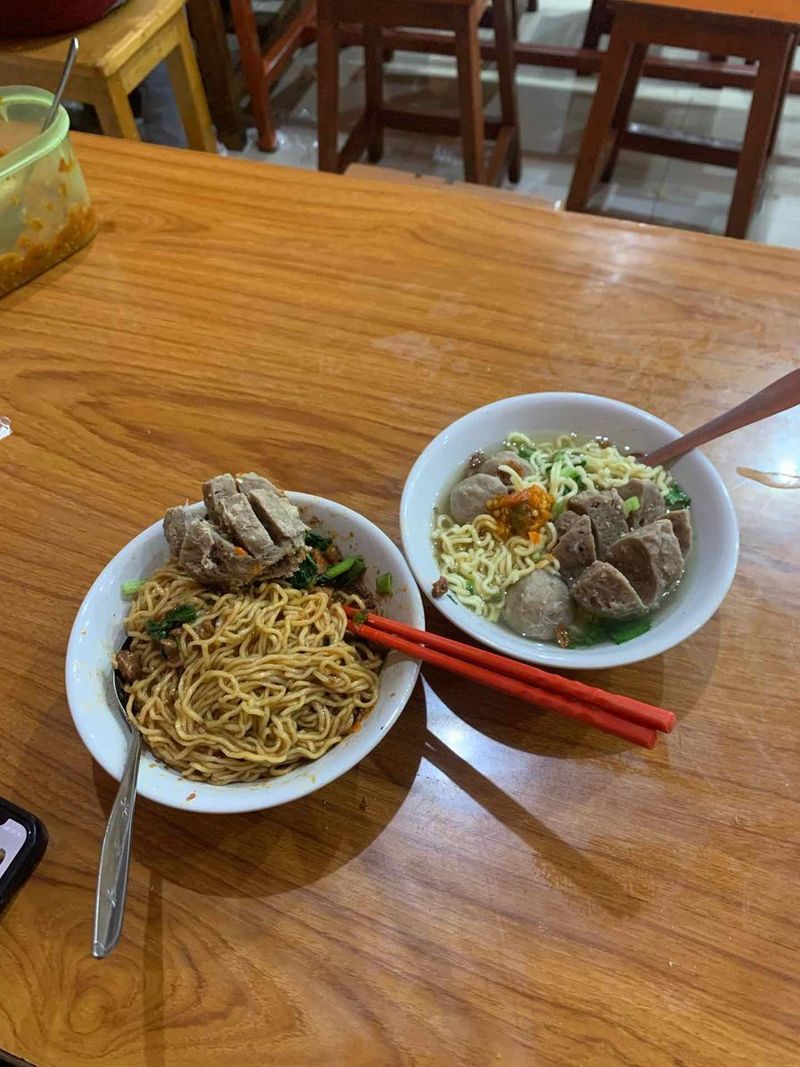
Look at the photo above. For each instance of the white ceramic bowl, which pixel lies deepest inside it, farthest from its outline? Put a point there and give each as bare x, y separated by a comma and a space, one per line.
99, 630
711, 565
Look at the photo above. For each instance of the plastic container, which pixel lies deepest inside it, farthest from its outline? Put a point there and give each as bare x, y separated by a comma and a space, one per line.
45, 214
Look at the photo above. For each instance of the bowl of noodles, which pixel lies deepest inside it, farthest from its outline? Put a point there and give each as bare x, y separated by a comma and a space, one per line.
534, 525
269, 697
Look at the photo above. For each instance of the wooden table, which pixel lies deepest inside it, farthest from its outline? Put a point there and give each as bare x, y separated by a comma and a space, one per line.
492, 885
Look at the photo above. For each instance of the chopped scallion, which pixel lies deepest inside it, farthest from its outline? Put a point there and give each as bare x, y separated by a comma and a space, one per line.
631, 504
345, 572
383, 584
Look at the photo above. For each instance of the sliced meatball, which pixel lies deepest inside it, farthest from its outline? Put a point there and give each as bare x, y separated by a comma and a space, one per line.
651, 560
176, 523
506, 459
606, 514
215, 490
537, 604
682, 528
274, 509
565, 520
213, 560
468, 499
651, 502
241, 524
575, 549
603, 590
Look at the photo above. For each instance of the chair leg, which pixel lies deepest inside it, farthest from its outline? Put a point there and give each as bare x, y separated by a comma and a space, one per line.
114, 111
207, 27
619, 123
506, 70
595, 24
185, 77
373, 75
779, 115
601, 117
327, 86
244, 22
469, 92
769, 83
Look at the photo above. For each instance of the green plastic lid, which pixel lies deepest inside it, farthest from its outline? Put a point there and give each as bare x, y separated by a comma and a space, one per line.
16, 100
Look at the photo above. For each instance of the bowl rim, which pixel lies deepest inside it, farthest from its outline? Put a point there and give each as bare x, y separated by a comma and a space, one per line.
246, 796
583, 659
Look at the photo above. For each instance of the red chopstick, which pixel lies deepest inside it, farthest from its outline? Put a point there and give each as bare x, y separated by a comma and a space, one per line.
624, 707
622, 716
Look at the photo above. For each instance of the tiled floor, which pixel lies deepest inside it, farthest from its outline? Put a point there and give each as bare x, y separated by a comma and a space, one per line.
554, 105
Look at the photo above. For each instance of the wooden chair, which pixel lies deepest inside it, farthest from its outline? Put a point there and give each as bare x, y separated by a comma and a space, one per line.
713, 26
266, 54
220, 81
116, 54
460, 17
598, 23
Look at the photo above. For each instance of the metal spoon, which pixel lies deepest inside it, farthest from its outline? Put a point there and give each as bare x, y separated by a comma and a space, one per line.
65, 73
112, 876
780, 396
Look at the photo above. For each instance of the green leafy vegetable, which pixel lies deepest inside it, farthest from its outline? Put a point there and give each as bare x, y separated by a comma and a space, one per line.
132, 587
676, 498
596, 630
315, 540
626, 631
161, 629
345, 572
631, 504
383, 584
524, 452
305, 575
592, 633
559, 507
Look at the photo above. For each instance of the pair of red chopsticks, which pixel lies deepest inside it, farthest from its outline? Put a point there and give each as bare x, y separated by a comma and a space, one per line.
624, 717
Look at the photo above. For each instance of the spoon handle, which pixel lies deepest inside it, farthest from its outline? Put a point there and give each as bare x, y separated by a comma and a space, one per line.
72, 51
782, 394
112, 877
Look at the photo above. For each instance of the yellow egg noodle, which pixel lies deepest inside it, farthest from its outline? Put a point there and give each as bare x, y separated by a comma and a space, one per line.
272, 684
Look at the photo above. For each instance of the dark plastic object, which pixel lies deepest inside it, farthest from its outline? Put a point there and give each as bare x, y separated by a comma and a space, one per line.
23, 839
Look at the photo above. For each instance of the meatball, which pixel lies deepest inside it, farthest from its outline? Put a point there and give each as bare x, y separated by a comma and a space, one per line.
537, 604
468, 499
507, 459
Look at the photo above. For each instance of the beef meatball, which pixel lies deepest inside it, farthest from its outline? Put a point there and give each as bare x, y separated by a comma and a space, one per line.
537, 604
506, 459
468, 499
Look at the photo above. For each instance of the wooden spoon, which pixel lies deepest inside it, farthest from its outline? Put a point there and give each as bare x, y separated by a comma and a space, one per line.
781, 395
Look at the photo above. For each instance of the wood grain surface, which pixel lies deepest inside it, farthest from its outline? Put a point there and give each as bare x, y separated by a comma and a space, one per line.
492, 885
